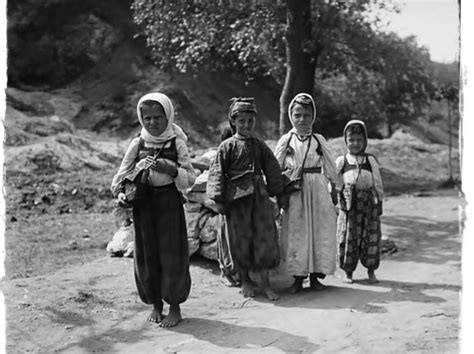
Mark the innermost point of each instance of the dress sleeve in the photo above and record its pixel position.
(271, 169)
(377, 176)
(127, 166)
(329, 163)
(186, 174)
(280, 149)
(215, 183)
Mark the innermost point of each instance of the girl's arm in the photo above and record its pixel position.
(186, 174)
(126, 167)
(378, 184)
(215, 183)
(280, 149)
(329, 164)
(271, 169)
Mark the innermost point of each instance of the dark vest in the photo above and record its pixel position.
(348, 167)
(169, 152)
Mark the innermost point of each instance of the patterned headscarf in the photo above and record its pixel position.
(305, 100)
(358, 127)
(172, 130)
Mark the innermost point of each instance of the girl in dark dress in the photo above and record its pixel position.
(161, 258)
(242, 176)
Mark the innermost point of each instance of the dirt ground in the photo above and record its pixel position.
(94, 307)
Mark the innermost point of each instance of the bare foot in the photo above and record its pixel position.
(247, 289)
(156, 314)
(372, 278)
(296, 286)
(348, 279)
(270, 294)
(173, 317)
(315, 284)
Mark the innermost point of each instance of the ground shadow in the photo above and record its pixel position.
(226, 335)
(422, 240)
(356, 297)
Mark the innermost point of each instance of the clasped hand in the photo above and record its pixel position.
(159, 165)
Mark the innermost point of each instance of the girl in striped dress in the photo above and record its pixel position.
(360, 203)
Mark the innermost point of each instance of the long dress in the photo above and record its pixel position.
(161, 256)
(250, 224)
(308, 235)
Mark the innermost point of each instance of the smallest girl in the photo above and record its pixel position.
(241, 178)
(360, 203)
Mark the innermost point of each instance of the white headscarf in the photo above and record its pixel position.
(172, 130)
(364, 131)
(290, 106)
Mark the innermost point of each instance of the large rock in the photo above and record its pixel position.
(122, 243)
(209, 250)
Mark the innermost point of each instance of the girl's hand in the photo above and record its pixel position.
(162, 166)
(122, 198)
(145, 163)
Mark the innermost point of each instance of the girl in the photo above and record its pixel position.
(308, 235)
(236, 183)
(360, 203)
(161, 259)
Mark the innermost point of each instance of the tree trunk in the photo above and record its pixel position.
(300, 65)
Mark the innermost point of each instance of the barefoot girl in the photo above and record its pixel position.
(360, 203)
(161, 250)
(308, 235)
(236, 182)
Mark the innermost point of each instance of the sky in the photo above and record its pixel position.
(435, 23)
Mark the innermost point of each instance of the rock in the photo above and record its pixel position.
(208, 233)
(209, 250)
(122, 243)
(192, 221)
(193, 245)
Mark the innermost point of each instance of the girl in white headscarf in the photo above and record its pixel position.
(161, 250)
(308, 235)
(360, 203)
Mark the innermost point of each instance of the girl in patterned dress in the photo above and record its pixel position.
(308, 235)
(161, 258)
(360, 203)
(248, 163)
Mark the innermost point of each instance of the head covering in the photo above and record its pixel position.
(303, 99)
(360, 128)
(241, 104)
(172, 130)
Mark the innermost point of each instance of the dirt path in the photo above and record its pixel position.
(415, 307)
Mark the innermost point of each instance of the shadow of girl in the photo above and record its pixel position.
(227, 335)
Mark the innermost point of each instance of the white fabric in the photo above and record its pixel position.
(290, 106)
(186, 174)
(172, 130)
(308, 237)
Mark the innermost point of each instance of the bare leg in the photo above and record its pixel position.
(348, 278)
(247, 288)
(267, 290)
(372, 278)
(156, 314)
(173, 318)
(297, 284)
(315, 284)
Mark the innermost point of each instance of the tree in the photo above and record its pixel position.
(294, 42)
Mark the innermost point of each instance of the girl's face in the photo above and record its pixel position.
(154, 119)
(302, 117)
(244, 123)
(355, 143)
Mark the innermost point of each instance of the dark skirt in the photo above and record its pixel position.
(359, 233)
(252, 233)
(161, 254)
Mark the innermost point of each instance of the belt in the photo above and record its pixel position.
(312, 170)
